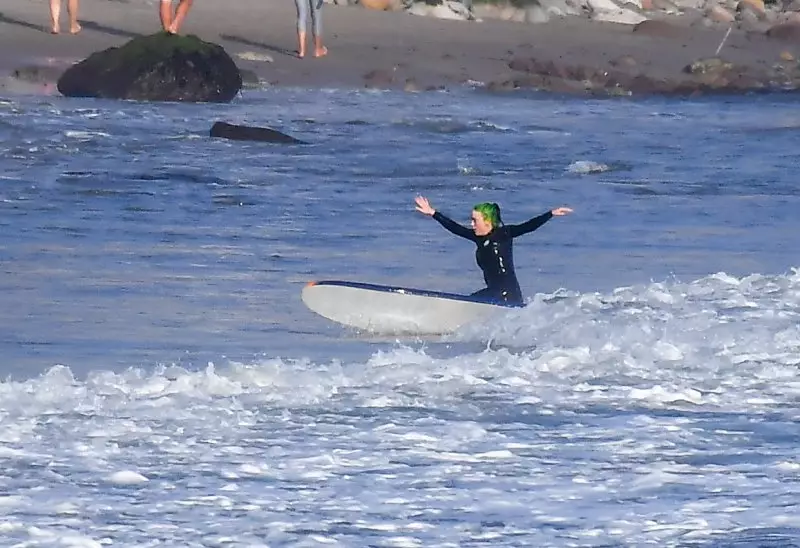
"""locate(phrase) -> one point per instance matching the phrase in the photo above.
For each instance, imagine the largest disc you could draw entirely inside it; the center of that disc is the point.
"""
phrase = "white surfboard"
(394, 310)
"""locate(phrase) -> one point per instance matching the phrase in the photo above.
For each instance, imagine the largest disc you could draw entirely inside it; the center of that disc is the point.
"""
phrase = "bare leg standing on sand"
(172, 24)
(303, 7)
(55, 16)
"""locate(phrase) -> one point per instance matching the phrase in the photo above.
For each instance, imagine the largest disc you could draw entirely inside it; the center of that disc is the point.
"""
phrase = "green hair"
(490, 212)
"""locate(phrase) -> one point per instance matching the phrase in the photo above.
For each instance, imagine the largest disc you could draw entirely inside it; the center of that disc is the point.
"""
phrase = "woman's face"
(480, 225)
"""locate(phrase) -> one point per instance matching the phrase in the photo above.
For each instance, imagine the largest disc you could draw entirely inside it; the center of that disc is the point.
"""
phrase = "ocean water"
(164, 385)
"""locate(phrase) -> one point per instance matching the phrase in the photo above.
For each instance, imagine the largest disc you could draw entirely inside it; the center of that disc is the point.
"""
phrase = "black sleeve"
(529, 226)
(454, 227)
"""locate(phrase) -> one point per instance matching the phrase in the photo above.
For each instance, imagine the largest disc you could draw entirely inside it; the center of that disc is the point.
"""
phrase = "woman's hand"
(561, 211)
(423, 206)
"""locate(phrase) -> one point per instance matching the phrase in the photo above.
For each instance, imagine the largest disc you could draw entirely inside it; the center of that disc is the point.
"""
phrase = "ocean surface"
(162, 383)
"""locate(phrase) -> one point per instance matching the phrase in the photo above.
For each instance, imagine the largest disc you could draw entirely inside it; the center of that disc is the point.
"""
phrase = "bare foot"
(321, 52)
(172, 29)
(55, 29)
(301, 54)
(75, 29)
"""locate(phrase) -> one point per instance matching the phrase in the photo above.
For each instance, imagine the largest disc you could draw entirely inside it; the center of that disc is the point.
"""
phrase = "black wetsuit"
(495, 257)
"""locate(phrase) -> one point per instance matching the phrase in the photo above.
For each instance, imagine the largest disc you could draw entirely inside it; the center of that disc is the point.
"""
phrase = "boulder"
(710, 65)
(719, 14)
(755, 5)
(380, 5)
(441, 9)
(251, 133)
(659, 28)
(787, 32)
(158, 67)
(611, 12)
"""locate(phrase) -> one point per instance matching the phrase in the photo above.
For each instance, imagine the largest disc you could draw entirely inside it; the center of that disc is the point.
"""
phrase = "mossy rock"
(158, 67)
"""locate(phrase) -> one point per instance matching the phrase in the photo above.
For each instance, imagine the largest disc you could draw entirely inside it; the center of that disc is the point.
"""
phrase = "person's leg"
(55, 15)
(302, 15)
(316, 20)
(165, 13)
(72, 10)
(180, 14)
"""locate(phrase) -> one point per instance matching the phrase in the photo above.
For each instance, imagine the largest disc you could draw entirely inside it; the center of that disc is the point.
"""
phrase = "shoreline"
(396, 50)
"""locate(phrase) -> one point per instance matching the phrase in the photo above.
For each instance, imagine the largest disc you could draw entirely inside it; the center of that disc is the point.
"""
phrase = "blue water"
(164, 385)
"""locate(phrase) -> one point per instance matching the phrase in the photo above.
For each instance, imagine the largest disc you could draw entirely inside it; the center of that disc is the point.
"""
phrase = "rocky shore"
(584, 47)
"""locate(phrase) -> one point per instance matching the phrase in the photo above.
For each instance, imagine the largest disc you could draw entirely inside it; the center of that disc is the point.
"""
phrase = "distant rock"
(441, 9)
(235, 132)
(711, 65)
(719, 14)
(788, 32)
(159, 67)
(659, 28)
(623, 61)
(611, 12)
(380, 5)
(754, 5)
(535, 13)
(378, 78)
(703, 76)
(255, 56)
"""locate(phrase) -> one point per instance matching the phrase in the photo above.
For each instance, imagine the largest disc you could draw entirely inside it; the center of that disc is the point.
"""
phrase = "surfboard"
(394, 310)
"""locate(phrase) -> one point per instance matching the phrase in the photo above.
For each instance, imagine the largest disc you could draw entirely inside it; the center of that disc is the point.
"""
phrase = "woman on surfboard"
(494, 252)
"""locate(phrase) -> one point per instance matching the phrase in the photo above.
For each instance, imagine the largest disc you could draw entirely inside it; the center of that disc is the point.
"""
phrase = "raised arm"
(536, 222)
(425, 208)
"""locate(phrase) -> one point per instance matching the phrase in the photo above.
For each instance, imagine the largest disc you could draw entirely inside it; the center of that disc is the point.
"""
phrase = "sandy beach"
(367, 48)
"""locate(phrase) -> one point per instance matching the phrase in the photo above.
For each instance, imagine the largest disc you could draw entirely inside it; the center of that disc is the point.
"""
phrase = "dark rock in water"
(249, 133)
(159, 67)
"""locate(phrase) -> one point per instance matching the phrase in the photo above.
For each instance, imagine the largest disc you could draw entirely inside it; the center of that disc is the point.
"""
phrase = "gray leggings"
(316, 15)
